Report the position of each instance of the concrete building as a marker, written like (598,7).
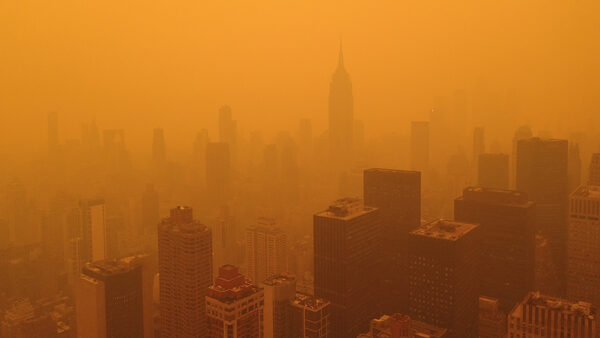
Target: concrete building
(397,195)
(401,326)
(309,317)
(595,170)
(443,260)
(279,291)
(347,240)
(583,245)
(266,250)
(114,299)
(234,306)
(492,321)
(93,230)
(185,273)
(506,222)
(544,316)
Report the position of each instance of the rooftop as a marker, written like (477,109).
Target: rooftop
(111,267)
(444,229)
(496,196)
(587,191)
(346,208)
(309,302)
(579,309)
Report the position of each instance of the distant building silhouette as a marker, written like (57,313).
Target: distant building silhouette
(543,316)
(347,259)
(266,250)
(228,132)
(218,172)
(419,145)
(594,178)
(493,171)
(150,210)
(341,116)
(234,306)
(185,273)
(397,195)
(574,167)
(443,276)
(542,174)
(507,230)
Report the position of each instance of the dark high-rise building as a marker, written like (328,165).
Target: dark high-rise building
(94,233)
(347,264)
(341,115)
(443,276)
(158,147)
(185,273)
(542,174)
(110,300)
(574,169)
(150,210)
(506,224)
(493,171)
(524,132)
(397,195)
(419,145)
(218,169)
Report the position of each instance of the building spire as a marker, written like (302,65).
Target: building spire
(341,56)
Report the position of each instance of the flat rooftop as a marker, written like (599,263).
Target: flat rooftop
(346,208)
(309,302)
(496,196)
(579,309)
(587,191)
(444,229)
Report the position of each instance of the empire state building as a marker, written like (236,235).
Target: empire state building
(341,116)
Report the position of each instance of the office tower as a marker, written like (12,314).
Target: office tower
(113,300)
(397,195)
(279,292)
(492,171)
(224,239)
(199,157)
(583,247)
(150,210)
(506,225)
(341,116)
(443,275)
(227,127)
(185,273)
(52,133)
(542,174)
(347,263)
(492,321)
(266,250)
(218,170)
(524,132)
(309,316)
(402,326)
(542,316)
(117,157)
(419,145)
(574,167)
(158,147)
(478,142)
(234,306)
(594,178)
(93,230)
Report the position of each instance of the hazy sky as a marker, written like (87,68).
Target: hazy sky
(139,64)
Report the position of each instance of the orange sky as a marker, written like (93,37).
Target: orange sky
(140,64)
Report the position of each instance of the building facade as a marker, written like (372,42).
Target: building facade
(266,250)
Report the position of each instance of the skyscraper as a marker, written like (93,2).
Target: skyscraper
(492,321)
(583,247)
(218,172)
(443,275)
(543,316)
(348,262)
(542,174)
(279,291)
(234,306)
(506,223)
(185,273)
(228,130)
(341,115)
(158,147)
(397,195)
(94,231)
(493,171)
(419,145)
(113,300)
(266,250)
(309,316)
(574,167)
(595,170)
